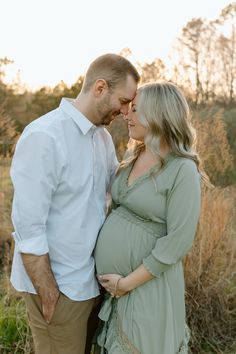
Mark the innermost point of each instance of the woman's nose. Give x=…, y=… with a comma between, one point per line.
x=126, y=117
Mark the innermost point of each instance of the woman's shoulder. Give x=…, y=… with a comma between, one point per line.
x=185, y=163
x=185, y=168
x=179, y=166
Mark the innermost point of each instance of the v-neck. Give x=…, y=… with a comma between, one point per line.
x=142, y=177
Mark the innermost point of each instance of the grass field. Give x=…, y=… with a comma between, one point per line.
x=209, y=271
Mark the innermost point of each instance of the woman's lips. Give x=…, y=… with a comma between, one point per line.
x=131, y=125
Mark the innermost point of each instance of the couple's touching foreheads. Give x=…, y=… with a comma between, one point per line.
x=96, y=273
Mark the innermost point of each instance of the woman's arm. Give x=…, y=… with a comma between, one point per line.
x=118, y=285
x=183, y=209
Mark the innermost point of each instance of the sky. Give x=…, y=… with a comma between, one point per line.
x=54, y=40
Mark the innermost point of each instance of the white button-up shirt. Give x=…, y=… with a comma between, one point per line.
x=61, y=171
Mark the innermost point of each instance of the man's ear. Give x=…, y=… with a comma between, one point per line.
x=100, y=87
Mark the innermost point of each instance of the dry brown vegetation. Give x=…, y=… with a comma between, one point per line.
x=210, y=271
x=210, y=267
x=5, y=204
x=213, y=145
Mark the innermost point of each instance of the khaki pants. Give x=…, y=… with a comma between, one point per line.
x=67, y=331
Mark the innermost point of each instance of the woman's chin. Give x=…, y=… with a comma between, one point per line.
x=135, y=137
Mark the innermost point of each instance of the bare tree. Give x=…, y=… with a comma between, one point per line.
x=125, y=52
x=192, y=44
x=227, y=49
x=3, y=62
x=153, y=71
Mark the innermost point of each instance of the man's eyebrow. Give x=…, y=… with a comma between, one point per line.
x=124, y=99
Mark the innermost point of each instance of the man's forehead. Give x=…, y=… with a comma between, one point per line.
x=134, y=96
x=128, y=88
x=129, y=97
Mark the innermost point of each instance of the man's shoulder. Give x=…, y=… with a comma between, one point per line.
x=48, y=123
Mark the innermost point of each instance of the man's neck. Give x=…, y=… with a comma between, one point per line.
x=82, y=103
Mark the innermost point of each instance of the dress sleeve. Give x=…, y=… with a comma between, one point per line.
x=182, y=214
x=34, y=173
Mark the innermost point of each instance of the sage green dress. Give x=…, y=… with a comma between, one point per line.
x=153, y=223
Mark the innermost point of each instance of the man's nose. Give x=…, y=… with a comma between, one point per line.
x=124, y=110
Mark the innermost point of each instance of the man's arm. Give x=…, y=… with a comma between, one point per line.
x=39, y=270
x=35, y=169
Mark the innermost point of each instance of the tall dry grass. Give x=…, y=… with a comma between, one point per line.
x=210, y=272
x=5, y=207
x=8, y=133
x=210, y=267
x=213, y=145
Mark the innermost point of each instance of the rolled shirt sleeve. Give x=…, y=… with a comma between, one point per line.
x=182, y=214
x=34, y=173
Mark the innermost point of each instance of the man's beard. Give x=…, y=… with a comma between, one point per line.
x=106, y=113
x=108, y=118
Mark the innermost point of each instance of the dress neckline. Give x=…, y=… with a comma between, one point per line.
x=139, y=179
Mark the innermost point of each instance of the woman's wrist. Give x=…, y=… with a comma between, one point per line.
x=133, y=280
x=124, y=285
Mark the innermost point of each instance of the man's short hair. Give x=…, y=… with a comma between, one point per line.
x=112, y=68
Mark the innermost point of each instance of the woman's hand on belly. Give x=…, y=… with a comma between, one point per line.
x=117, y=285
x=113, y=284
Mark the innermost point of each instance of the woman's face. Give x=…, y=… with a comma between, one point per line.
x=136, y=130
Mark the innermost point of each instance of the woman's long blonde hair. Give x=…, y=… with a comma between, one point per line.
x=164, y=111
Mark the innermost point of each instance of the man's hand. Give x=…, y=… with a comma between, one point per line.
x=39, y=270
x=49, y=300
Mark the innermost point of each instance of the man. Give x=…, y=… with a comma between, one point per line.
x=61, y=171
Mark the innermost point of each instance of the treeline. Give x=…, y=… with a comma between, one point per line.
x=203, y=64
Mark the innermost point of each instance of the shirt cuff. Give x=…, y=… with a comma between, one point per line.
x=154, y=266
x=35, y=245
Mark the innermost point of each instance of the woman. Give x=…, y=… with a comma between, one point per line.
x=156, y=206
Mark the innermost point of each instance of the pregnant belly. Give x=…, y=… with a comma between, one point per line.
x=122, y=245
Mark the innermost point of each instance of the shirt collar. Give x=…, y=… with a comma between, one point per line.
x=81, y=121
